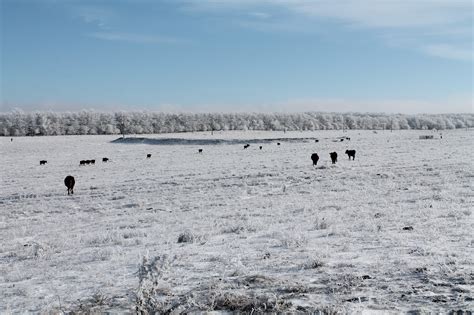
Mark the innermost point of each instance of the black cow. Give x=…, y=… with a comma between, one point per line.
x=92, y=161
x=43, y=162
x=148, y=155
x=333, y=157
x=88, y=162
x=105, y=160
x=82, y=162
x=278, y=143
x=316, y=140
x=200, y=151
x=69, y=182
x=315, y=158
x=246, y=146
x=351, y=153
x=261, y=147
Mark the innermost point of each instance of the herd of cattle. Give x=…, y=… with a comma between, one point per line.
x=333, y=155
x=69, y=181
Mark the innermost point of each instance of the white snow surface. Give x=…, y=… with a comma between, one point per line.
x=256, y=223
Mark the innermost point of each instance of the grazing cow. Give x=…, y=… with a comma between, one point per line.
x=148, y=156
x=260, y=147
x=316, y=140
x=88, y=162
x=342, y=140
x=69, y=182
x=333, y=157
x=105, y=160
x=82, y=162
x=351, y=153
x=278, y=143
x=92, y=161
x=200, y=151
x=246, y=146
x=315, y=158
x=43, y=162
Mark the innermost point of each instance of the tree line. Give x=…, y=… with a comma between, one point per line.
x=46, y=123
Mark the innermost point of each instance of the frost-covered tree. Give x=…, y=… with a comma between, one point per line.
x=19, y=123
x=123, y=123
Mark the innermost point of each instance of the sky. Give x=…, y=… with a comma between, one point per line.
x=394, y=56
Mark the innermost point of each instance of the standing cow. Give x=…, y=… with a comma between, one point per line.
x=351, y=153
x=69, y=182
x=315, y=158
x=333, y=156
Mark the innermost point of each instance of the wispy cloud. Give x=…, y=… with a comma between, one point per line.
x=449, y=51
x=369, y=13
x=104, y=19
x=137, y=38
x=441, y=28
x=95, y=15
x=259, y=15
x=388, y=13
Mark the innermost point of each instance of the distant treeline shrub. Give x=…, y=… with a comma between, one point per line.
x=19, y=123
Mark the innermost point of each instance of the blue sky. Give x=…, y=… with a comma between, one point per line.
x=258, y=55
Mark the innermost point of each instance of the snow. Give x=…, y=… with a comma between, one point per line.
x=255, y=227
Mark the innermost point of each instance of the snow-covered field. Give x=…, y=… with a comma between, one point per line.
x=235, y=229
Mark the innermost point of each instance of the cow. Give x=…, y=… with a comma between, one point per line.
x=315, y=158
x=351, y=153
x=82, y=162
x=105, y=160
x=316, y=140
x=200, y=151
x=278, y=143
x=148, y=156
x=246, y=146
x=347, y=138
x=88, y=162
x=333, y=156
x=69, y=182
x=92, y=161
x=261, y=147
x=341, y=140
x=43, y=162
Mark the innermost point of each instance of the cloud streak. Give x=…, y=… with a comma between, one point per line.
x=441, y=28
x=97, y=16
x=137, y=38
x=449, y=51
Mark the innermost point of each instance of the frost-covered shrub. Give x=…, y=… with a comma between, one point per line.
x=320, y=224
x=314, y=263
x=186, y=237
x=293, y=240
